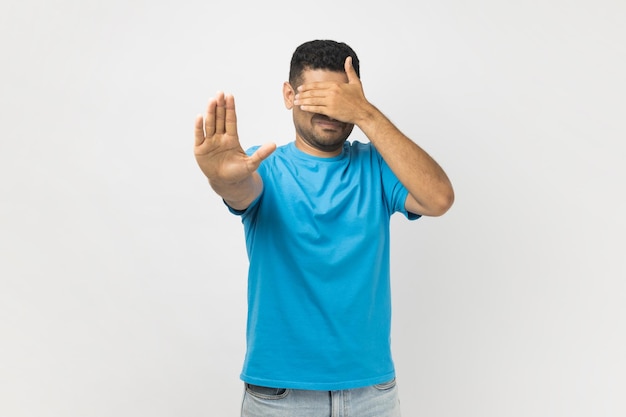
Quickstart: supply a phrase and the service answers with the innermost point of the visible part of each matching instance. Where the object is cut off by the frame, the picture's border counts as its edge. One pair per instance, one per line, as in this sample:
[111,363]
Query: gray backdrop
[122,289]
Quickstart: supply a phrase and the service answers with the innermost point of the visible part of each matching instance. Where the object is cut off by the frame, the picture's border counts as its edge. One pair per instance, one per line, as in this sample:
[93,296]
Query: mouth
[327,123]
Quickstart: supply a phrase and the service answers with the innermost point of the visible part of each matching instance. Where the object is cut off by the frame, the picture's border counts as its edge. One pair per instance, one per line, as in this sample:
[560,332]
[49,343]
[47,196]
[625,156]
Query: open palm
[217,148]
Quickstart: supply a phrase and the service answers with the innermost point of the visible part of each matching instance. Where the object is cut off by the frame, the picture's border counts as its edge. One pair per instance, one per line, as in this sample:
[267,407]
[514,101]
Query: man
[316,217]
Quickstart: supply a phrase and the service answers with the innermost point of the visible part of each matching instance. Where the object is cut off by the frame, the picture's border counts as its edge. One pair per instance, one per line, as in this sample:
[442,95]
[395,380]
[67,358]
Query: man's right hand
[217,149]
[220,155]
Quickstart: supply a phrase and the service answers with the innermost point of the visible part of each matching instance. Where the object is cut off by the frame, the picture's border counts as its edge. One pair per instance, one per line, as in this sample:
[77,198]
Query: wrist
[368,117]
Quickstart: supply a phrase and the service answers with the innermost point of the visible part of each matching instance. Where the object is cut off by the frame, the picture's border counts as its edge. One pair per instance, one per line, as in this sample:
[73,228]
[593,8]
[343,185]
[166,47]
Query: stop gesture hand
[217,148]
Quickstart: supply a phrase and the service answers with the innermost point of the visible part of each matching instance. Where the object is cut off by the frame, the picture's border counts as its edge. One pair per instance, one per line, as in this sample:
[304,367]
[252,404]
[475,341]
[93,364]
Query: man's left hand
[345,102]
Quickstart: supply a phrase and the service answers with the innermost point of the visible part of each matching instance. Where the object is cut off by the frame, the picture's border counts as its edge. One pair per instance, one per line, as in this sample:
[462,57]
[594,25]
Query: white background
[122,276]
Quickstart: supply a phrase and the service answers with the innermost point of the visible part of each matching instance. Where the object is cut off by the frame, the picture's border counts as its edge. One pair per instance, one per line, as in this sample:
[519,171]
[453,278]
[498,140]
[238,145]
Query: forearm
[425,180]
[239,195]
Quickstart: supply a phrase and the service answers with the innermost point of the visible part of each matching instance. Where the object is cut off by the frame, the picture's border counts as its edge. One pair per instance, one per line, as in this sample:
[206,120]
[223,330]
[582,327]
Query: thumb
[260,154]
[350,71]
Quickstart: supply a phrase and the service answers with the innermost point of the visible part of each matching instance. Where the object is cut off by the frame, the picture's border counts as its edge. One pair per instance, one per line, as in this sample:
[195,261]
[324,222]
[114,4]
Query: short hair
[321,54]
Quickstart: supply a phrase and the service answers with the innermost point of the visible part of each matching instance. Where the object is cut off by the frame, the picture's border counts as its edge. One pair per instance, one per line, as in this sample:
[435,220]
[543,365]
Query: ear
[288,95]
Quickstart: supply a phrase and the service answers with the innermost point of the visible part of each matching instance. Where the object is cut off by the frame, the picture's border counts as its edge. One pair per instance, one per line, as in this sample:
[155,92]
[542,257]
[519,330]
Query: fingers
[220,117]
[220,114]
[314,94]
[313,88]
[199,130]
[209,120]
[230,120]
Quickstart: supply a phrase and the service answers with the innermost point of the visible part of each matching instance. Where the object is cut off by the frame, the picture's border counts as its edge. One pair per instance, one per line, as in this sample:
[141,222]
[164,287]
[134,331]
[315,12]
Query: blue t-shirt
[319,302]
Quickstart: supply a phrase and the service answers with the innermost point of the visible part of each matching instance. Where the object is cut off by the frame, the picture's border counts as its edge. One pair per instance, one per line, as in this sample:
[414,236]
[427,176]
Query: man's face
[316,133]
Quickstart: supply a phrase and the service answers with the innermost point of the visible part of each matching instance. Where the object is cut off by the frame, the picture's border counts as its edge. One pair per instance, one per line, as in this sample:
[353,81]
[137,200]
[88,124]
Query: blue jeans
[375,401]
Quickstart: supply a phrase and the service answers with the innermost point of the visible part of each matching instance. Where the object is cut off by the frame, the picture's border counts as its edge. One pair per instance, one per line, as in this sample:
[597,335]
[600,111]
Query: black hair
[321,54]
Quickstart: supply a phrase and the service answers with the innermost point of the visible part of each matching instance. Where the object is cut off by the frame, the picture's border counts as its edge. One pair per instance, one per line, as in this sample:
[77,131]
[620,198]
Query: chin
[328,145]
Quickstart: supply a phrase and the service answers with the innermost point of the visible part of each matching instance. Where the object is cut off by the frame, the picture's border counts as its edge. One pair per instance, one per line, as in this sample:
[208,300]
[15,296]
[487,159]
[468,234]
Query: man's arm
[230,171]
[430,190]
